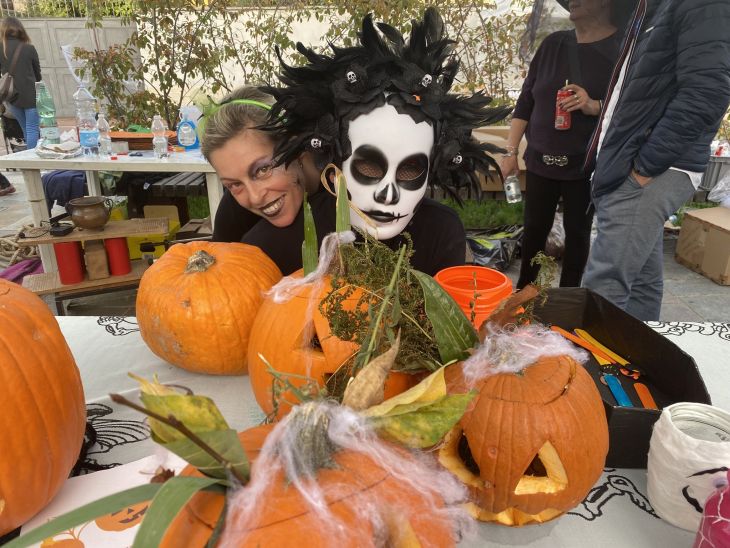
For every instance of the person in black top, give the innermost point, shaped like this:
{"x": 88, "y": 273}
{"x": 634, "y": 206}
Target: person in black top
{"x": 554, "y": 158}
{"x": 380, "y": 110}
{"x": 27, "y": 72}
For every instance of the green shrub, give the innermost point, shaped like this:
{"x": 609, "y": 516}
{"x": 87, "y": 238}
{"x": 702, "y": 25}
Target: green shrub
{"x": 487, "y": 213}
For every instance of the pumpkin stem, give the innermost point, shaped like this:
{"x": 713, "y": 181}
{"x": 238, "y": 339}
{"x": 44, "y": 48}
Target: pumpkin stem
{"x": 306, "y": 443}
{"x": 200, "y": 261}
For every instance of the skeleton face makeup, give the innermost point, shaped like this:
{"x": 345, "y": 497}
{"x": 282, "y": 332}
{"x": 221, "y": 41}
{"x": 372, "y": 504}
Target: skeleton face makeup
{"x": 388, "y": 169}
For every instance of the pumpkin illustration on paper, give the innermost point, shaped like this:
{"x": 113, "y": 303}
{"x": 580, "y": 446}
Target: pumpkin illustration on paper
{"x": 124, "y": 518}
{"x": 532, "y": 443}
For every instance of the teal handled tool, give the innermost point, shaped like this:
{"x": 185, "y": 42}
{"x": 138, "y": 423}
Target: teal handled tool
{"x": 614, "y": 385}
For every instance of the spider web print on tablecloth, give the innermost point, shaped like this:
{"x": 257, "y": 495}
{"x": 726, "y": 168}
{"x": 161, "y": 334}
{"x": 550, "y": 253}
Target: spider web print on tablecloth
{"x": 709, "y": 329}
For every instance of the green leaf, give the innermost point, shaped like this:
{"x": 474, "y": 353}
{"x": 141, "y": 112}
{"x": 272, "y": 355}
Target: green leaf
{"x": 169, "y": 500}
{"x": 223, "y": 442}
{"x": 422, "y": 424}
{"x": 454, "y": 333}
{"x": 198, "y": 413}
{"x": 343, "y": 205}
{"x": 309, "y": 245}
{"x": 87, "y": 513}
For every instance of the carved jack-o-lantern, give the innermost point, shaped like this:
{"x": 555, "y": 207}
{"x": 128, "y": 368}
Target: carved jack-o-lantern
{"x": 531, "y": 445}
{"x": 295, "y": 338}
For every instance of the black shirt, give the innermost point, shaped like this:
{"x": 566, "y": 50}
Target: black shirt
{"x": 232, "y": 220}
{"x": 438, "y": 236}
{"x": 549, "y": 70}
{"x": 27, "y": 71}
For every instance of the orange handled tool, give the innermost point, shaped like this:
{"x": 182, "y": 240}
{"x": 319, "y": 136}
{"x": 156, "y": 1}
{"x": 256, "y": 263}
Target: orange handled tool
{"x": 597, "y": 352}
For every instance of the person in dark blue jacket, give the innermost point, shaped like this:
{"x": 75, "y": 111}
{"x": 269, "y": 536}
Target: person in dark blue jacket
{"x": 668, "y": 93}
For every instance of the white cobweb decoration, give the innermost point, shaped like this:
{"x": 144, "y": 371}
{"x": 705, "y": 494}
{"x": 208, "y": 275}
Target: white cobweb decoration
{"x": 283, "y": 455}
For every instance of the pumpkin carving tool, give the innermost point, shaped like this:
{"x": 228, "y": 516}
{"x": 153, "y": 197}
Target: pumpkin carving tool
{"x": 615, "y": 358}
{"x": 600, "y": 355}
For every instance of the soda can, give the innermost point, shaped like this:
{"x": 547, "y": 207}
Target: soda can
{"x": 562, "y": 117}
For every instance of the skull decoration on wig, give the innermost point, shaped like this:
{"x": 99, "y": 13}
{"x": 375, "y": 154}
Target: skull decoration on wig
{"x": 382, "y": 112}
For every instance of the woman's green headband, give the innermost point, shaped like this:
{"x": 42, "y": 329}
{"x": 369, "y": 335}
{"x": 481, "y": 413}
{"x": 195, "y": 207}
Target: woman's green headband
{"x": 211, "y": 108}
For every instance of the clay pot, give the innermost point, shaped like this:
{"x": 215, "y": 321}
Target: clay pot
{"x": 90, "y": 212}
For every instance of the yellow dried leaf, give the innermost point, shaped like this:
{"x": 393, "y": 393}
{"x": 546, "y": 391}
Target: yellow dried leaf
{"x": 429, "y": 389}
{"x": 154, "y": 387}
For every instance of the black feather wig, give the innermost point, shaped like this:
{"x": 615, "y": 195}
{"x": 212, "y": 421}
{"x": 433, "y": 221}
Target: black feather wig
{"x": 316, "y": 102}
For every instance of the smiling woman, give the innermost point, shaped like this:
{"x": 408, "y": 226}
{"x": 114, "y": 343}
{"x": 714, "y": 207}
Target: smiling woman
{"x": 243, "y": 157}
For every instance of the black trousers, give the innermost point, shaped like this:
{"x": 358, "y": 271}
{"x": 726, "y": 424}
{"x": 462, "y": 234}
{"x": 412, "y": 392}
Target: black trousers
{"x": 541, "y": 199}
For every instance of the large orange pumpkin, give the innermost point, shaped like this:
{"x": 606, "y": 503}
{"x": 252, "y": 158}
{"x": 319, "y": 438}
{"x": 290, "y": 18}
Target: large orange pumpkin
{"x": 293, "y": 345}
{"x": 196, "y": 304}
{"x": 531, "y": 445}
{"x": 43, "y": 413}
{"x": 285, "y": 520}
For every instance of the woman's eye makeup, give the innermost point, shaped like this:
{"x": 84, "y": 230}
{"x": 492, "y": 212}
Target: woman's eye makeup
{"x": 261, "y": 169}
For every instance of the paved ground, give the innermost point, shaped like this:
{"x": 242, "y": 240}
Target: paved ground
{"x": 688, "y": 296}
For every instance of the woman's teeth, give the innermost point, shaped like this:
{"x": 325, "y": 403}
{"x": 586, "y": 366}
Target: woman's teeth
{"x": 273, "y": 208}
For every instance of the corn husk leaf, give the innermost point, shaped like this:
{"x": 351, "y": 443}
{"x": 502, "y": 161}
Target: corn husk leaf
{"x": 309, "y": 245}
{"x": 342, "y": 221}
{"x": 368, "y": 386}
{"x": 86, "y": 513}
{"x": 453, "y": 331}
{"x": 422, "y": 424}
{"x": 223, "y": 442}
{"x": 166, "y": 505}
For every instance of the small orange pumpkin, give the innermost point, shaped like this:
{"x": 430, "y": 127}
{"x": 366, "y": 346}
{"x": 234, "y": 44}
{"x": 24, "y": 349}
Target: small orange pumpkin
{"x": 196, "y": 304}
{"x": 43, "y": 414}
{"x": 286, "y": 521}
{"x": 291, "y": 345}
{"x": 531, "y": 445}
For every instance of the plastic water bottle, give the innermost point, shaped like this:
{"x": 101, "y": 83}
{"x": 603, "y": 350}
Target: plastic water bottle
{"x": 512, "y": 189}
{"x": 47, "y": 114}
{"x": 105, "y": 140}
{"x": 186, "y": 134}
{"x": 159, "y": 139}
{"x": 86, "y": 121}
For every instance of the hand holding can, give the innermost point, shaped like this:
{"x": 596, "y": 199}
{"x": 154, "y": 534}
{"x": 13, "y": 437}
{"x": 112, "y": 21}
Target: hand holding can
{"x": 562, "y": 117}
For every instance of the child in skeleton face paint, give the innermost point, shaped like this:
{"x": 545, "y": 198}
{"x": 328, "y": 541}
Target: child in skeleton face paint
{"x": 381, "y": 112}
{"x": 243, "y": 157}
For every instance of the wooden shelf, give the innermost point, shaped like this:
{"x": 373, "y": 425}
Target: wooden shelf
{"x": 113, "y": 229}
{"x": 49, "y": 282}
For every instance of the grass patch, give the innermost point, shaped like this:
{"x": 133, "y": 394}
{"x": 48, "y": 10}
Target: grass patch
{"x": 487, "y": 213}
{"x": 198, "y": 207}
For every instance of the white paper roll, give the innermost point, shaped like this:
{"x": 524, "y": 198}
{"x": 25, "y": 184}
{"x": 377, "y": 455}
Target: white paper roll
{"x": 689, "y": 448}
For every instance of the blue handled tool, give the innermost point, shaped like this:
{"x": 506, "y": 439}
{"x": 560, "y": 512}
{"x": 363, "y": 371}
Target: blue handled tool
{"x": 614, "y": 385}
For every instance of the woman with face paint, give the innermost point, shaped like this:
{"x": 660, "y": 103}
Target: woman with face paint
{"x": 255, "y": 188}
{"x": 381, "y": 112}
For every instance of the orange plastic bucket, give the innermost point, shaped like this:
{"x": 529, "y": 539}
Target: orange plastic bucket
{"x": 463, "y": 282}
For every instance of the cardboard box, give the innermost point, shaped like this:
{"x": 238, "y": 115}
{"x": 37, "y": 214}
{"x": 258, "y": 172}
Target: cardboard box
{"x": 704, "y": 243}
{"x": 97, "y": 267}
{"x": 153, "y": 211}
{"x": 670, "y": 374}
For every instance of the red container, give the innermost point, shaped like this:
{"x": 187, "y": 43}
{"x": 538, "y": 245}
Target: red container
{"x": 462, "y": 282}
{"x": 117, "y": 254}
{"x": 70, "y": 262}
{"x": 562, "y": 117}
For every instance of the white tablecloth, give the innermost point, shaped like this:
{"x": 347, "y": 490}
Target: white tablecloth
{"x": 616, "y": 512}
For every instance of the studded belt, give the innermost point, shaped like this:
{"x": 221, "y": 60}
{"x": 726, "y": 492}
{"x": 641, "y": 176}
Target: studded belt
{"x": 550, "y": 160}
